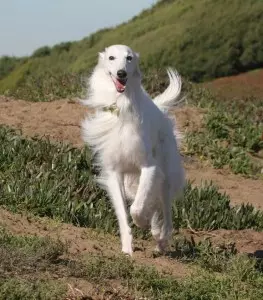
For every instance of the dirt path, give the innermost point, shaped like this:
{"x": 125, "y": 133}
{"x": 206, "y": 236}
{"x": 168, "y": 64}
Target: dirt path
{"x": 59, "y": 120}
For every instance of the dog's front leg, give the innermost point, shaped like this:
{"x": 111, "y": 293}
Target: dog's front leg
{"x": 148, "y": 192}
{"x": 115, "y": 189}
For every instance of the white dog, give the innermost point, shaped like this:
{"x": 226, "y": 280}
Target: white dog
{"x": 135, "y": 144}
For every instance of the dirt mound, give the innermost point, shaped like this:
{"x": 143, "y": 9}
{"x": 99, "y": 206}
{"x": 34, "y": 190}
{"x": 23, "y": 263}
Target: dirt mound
{"x": 239, "y": 86}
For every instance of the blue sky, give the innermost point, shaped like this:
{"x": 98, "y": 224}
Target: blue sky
{"x": 26, "y": 25}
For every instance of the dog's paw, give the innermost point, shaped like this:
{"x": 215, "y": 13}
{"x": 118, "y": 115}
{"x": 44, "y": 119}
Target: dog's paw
{"x": 161, "y": 246}
{"x": 127, "y": 251}
{"x": 127, "y": 245}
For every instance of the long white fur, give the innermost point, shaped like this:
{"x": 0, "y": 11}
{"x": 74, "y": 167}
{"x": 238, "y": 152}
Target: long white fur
{"x": 135, "y": 145}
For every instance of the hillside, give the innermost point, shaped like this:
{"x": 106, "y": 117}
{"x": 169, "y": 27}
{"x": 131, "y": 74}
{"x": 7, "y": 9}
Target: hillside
{"x": 203, "y": 39}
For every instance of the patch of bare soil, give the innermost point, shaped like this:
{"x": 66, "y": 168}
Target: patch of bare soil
{"x": 247, "y": 241}
{"x": 189, "y": 118}
{"x": 239, "y": 86}
{"x": 60, "y": 120}
{"x": 240, "y": 189}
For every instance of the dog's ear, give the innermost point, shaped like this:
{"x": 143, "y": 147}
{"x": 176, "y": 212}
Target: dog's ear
{"x": 137, "y": 72}
{"x": 102, "y": 54}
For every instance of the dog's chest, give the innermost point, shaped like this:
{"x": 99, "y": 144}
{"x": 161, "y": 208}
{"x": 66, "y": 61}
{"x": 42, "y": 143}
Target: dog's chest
{"x": 125, "y": 150}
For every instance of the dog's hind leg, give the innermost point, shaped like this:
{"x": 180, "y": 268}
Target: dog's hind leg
{"x": 156, "y": 224}
{"x": 170, "y": 191}
{"x": 115, "y": 188}
{"x": 161, "y": 222}
{"x": 167, "y": 226}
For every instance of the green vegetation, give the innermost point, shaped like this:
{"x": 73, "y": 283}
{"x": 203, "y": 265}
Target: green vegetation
{"x": 8, "y": 64}
{"x": 14, "y": 289}
{"x": 231, "y": 134}
{"x": 22, "y": 261}
{"x": 56, "y": 180}
{"x": 30, "y": 267}
{"x": 202, "y": 39}
{"x": 238, "y": 278}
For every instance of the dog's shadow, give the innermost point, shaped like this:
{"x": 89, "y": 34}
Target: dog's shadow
{"x": 258, "y": 256}
{"x": 191, "y": 254}
{"x": 180, "y": 254}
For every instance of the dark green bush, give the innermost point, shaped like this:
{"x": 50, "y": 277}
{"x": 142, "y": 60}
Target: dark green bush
{"x": 7, "y": 65}
{"x": 42, "y": 52}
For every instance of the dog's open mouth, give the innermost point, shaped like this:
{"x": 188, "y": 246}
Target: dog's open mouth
{"x": 120, "y": 84}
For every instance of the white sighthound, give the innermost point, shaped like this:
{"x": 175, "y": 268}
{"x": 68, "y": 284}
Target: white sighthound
{"x": 135, "y": 144}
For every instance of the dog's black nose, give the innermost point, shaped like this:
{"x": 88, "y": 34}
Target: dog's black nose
{"x": 122, "y": 74}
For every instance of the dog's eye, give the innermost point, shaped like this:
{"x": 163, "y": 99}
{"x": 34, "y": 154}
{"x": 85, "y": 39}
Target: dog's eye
{"x": 111, "y": 57}
{"x": 129, "y": 58}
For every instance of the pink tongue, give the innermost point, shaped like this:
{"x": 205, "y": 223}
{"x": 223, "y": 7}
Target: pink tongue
{"x": 119, "y": 86}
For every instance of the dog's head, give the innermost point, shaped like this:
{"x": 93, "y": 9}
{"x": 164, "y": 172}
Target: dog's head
{"x": 121, "y": 63}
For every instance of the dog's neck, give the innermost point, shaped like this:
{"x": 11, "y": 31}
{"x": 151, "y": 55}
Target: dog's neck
{"x": 127, "y": 103}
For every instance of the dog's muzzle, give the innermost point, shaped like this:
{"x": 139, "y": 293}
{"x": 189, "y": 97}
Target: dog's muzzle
{"x": 120, "y": 81}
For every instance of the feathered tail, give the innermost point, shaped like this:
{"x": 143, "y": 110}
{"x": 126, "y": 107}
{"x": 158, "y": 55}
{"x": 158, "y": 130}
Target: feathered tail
{"x": 169, "y": 98}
